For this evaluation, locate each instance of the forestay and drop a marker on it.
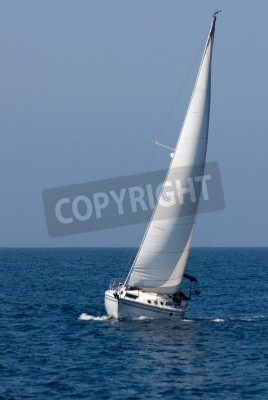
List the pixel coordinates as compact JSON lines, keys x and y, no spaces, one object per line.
{"x":162,"y":257}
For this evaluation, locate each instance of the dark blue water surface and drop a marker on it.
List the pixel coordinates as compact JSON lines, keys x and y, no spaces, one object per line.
{"x":57,"y":343}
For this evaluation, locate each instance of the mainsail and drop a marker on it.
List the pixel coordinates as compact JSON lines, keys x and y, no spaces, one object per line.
{"x":161,"y":260}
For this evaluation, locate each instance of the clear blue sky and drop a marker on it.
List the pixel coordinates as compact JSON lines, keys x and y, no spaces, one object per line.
{"x":85,"y":86}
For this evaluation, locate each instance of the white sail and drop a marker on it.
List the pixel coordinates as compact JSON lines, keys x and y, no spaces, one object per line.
{"x":162,"y":257}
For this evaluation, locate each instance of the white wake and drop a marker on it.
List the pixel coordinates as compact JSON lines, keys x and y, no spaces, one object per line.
{"x":87,"y":317}
{"x":218,"y":320}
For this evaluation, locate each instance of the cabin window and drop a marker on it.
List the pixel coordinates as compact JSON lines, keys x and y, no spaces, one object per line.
{"x":155,"y":302}
{"x":162,"y":303}
{"x":131,"y":296}
{"x":149,"y":301}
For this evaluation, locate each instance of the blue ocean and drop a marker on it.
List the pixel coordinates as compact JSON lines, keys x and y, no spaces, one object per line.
{"x":57,"y":343}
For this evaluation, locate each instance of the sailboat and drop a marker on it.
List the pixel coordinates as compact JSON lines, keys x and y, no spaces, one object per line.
{"x":153,"y":287}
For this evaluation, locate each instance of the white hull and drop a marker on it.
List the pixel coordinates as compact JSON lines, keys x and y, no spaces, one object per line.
{"x":123,"y":307}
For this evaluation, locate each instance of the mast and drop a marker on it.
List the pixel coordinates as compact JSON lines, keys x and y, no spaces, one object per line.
{"x":161,"y":260}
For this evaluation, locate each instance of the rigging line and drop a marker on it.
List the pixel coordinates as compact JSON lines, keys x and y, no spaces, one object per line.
{"x":209,"y":38}
{"x":180,"y":89}
{"x":130,"y":258}
{"x":125,"y":258}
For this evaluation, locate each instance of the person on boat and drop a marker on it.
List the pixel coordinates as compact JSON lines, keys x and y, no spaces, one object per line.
{"x":179,"y":297}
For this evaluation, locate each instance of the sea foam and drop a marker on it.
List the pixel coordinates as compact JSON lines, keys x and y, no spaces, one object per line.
{"x":87,"y":317}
